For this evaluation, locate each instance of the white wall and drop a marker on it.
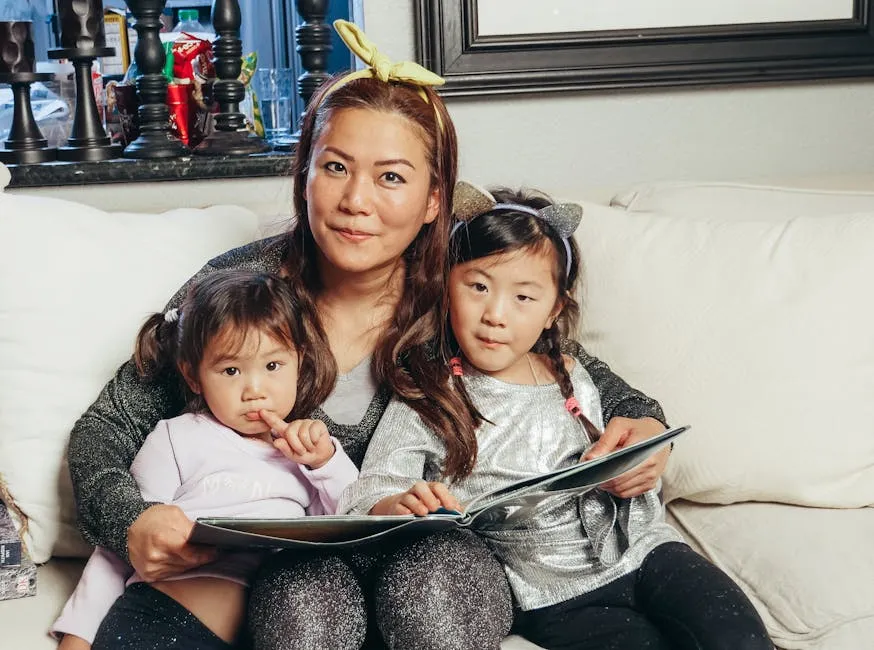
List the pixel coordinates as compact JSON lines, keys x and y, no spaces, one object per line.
{"x":573,"y":143}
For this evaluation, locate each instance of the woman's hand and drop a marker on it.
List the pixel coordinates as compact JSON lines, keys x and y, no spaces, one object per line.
{"x":419,"y":500}
{"x":306,"y":442}
{"x":621,"y":432}
{"x":157,"y":544}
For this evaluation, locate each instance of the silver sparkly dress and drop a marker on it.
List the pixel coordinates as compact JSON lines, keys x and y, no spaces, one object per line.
{"x":573,"y":544}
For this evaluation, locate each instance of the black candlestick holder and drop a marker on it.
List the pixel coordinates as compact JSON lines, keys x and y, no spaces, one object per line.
{"x":313,"y":37}
{"x":88,"y":139}
{"x":155,"y":139}
{"x":313,"y":46}
{"x":231,"y":137}
{"x":26,"y":144}
{"x":83,"y":40}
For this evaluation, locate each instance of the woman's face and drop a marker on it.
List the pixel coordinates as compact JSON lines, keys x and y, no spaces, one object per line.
{"x":368,"y":189}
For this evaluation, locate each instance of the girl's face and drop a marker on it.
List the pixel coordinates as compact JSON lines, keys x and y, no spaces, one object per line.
{"x":498,"y":307}
{"x":240,"y":376}
{"x":368,"y":189}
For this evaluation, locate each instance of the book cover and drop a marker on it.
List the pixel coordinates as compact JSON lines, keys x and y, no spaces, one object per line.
{"x":10,"y":544}
{"x":489,"y":510}
{"x":17,"y":570}
{"x":18,"y":581}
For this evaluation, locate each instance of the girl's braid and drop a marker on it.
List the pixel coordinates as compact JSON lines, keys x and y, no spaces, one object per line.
{"x":553,"y":340}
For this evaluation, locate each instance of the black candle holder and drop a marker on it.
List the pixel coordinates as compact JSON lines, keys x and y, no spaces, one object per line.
{"x":231,"y":137}
{"x":313,"y":38}
{"x":155,"y":139}
{"x":313,"y":46}
{"x":83,"y":40}
{"x":26,"y":144}
{"x":16,"y":47}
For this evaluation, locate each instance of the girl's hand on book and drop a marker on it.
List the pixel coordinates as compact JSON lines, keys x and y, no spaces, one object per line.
{"x":306,"y":442}
{"x":421,"y":499}
{"x":621,"y":432}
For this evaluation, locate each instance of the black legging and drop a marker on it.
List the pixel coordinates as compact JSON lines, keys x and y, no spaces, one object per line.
{"x":677,"y":600}
{"x":143,"y":618}
{"x":443,"y":592}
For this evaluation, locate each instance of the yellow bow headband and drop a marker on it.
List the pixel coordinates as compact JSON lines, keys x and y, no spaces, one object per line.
{"x":380,"y":66}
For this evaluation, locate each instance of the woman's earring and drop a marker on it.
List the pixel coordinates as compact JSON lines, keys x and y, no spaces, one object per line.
{"x":455,"y":365}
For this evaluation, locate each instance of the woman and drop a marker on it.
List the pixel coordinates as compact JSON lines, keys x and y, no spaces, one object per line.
{"x":373,"y":179}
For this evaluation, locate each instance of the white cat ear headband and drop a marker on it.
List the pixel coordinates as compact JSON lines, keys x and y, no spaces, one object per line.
{"x":470,"y":202}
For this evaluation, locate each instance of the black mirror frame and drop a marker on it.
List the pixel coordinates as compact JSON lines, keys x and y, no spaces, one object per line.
{"x":449,"y":44}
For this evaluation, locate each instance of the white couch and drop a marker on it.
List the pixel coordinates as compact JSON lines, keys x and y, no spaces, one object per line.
{"x":745,"y":310}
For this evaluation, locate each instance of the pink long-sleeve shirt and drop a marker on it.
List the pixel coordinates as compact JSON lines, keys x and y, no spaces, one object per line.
{"x":208,"y":470}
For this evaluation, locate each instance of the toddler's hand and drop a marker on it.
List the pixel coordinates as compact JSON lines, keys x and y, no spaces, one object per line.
{"x":303,"y":441}
{"x":419,"y":500}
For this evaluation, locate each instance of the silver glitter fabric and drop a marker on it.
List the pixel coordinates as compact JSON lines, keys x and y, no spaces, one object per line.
{"x":107,"y":437}
{"x":444,"y":592}
{"x":572,"y":544}
{"x":564,"y":217}
{"x":288,"y":609}
{"x":469,"y":201}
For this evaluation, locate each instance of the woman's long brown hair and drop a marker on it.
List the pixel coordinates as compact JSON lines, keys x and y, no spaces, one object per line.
{"x":406,"y":352}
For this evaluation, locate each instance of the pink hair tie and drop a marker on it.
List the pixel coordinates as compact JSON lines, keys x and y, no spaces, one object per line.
{"x":455,"y":364}
{"x":573,"y":406}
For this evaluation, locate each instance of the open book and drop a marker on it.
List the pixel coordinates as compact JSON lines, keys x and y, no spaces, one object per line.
{"x":502,"y":507}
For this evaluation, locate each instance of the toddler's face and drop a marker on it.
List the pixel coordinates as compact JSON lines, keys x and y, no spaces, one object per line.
{"x":498,"y":307}
{"x":240,"y":376}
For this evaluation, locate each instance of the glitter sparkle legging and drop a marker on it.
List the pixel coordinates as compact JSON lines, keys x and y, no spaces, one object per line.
{"x":444,"y":592}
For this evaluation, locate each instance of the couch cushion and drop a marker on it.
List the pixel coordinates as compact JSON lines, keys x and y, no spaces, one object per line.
{"x":733,"y":200}
{"x":25,"y":621}
{"x":757,"y":332}
{"x":815,"y":591}
{"x":75,"y":285}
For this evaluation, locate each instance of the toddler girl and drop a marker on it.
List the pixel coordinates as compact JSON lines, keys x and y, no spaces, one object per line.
{"x":586,"y":571}
{"x":239,"y":344}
